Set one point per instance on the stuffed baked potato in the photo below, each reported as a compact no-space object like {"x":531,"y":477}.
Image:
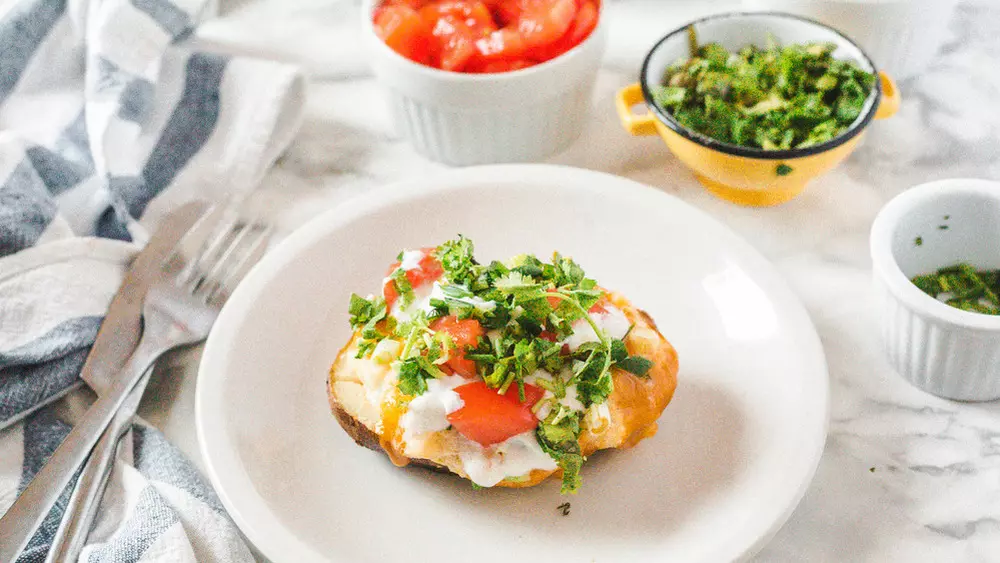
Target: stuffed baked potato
{"x":504,"y":373}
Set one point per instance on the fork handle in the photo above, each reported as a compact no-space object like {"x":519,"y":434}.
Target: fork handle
{"x":24,"y":517}
{"x":71,"y":537}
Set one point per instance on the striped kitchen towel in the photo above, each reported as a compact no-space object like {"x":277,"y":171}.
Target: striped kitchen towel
{"x":108,"y":120}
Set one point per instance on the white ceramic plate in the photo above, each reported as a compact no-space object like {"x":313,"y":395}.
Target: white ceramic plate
{"x":736,"y":449}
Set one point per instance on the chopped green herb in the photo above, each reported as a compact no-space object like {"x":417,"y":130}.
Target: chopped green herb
{"x":943,"y":227}
{"x":919,"y":241}
{"x":771,"y":98}
{"x":783,"y":169}
{"x":527,"y":308}
{"x":963,"y":287}
{"x":366,"y":315}
{"x":636,"y":364}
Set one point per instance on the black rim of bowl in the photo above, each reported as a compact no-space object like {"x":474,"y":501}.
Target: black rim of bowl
{"x":875,"y":98}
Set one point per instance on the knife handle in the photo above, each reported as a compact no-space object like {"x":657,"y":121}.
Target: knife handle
{"x":71,"y":537}
{"x":24,"y":517}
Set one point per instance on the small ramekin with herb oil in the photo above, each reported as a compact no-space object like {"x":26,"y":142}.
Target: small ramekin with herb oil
{"x":936,"y":264}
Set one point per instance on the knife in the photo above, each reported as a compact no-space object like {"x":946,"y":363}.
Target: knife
{"x":115,"y":342}
{"x":119,"y":333}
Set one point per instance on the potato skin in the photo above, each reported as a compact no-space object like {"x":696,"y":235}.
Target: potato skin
{"x":634,"y":405}
{"x":361,"y":434}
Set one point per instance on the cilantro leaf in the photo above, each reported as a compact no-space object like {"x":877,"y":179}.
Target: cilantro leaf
{"x":618,"y":351}
{"x":561,"y":442}
{"x":412,"y":379}
{"x":637,"y":365}
{"x":366,"y":314}
{"x":458,"y":261}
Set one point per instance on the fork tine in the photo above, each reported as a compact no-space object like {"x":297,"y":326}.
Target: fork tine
{"x":253,"y":250}
{"x":221,"y":269}
{"x":207,"y":252}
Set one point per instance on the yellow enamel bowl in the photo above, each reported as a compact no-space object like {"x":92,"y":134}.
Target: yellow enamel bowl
{"x":749,"y":176}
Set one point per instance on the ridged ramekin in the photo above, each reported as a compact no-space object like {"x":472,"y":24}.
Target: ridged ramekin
{"x":463,"y":119}
{"x":938,"y":348}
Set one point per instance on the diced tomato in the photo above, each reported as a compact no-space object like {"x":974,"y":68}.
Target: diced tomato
{"x":464,"y":333}
{"x":554,"y":301}
{"x":505,"y":12}
{"x":404,"y":31}
{"x":546,"y":335}
{"x":484,"y":36}
{"x":390,"y":293}
{"x":503,"y":45}
{"x":598,"y":308}
{"x":499,"y":66}
{"x":427,"y":271}
{"x":583,"y":25}
{"x":545,"y":23}
{"x":472,"y":14}
{"x":488,"y":417}
{"x":415,"y":4}
{"x":456,"y":25}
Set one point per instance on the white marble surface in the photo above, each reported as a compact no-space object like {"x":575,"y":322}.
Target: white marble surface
{"x":905,"y":476}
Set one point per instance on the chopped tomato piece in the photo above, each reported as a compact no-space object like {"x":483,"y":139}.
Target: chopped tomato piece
{"x":488,"y":417}
{"x":472,"y":14}
{"x":598,"y":307}
{"x":464,"y":333}
{"x":427,"y":271}
{"x":546,"y":335}
{"x":545,"y":23}
{"x":456,"y":25}
{"x":502,"y":45}
{"x":415,"y":4}
{"x":583,"y":25}
{"x":390,"y":293}
{"x":499,"y":66}
{"x":404,"y":31}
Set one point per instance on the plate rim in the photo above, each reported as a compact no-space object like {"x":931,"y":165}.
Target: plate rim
{"x":278,"y":542}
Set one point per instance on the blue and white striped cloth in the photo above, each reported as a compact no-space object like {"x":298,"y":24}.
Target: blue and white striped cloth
{"x":107,"y":122}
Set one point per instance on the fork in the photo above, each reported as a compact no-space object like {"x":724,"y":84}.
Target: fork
{"x":176,"y":313}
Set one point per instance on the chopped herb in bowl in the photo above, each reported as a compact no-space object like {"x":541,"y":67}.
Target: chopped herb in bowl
{"x":963,"y":287}
{"x":771,"y":98}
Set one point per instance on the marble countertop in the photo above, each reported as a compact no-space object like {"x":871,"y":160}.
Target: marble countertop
{"x":905,"y":476}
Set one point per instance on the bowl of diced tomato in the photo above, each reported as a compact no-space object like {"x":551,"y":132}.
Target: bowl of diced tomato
{"x":486,"y":81}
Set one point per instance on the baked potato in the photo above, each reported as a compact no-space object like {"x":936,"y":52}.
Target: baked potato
{"x":503,"y":374}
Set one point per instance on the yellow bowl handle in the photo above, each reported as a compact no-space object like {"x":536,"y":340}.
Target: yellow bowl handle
{"x":635,"y":124}
{"x":890,"y":97}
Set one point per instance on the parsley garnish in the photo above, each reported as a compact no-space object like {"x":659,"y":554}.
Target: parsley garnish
{"x":366,"y":315}
{"x":773,"y":98}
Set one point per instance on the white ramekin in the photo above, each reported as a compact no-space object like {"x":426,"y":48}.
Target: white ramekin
{"x":901,"y":36}
{"x":940,"y":349}
{"x":464,"y":119}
